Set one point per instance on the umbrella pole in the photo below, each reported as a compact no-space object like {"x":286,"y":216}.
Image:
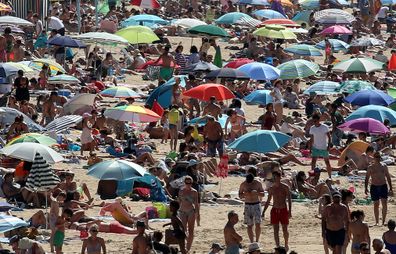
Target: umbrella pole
{"x":46,"y":210}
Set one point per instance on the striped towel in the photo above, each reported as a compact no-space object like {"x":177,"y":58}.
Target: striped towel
{"x":248,"y":21}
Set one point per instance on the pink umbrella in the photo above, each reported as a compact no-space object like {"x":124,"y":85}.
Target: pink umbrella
{"x":368,"y":125}
{"x":336,"y":30}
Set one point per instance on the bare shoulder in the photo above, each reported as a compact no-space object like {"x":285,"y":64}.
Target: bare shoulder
{"x":285,"y":186}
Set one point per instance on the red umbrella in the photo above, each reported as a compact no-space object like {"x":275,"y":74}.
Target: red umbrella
{"x":146,"y":4}
{"x":205,"y":91}
{"x":282,"y":22}
{"x":238,"y":63}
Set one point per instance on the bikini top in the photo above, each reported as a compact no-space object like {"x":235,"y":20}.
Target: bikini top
{"x":94,"y":248}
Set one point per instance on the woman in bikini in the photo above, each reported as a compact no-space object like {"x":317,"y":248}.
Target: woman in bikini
{"x":268,"y":120}
{"x":17,"y":128}
{"x":310,"y":191}
{"x":189,"y":209}
{"x":43,"y":76}
{"x":358,"y":231}
{"x":93,"y":244}
{"x":237,"y":125}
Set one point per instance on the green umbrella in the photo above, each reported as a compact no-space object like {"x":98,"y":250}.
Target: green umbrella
{"x":351,"y":86}
{"x":392,"y":92}
{"x":297,"y":69}
{"x":138,"y":34}
{"x":360,"y":65}
{"x":275,"y":32}
{"x":211,"y":30}
{"x":33,"y":138}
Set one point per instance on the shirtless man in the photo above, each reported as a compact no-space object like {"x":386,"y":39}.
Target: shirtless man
{"x":3,"y":52}
{"x":365,"y":159}
{"x":335,"y":222}
{"x":168,"y":63}
{"x":18,"y":51}
{"x":212,"y":108}
{"x":213,"y":134}
{"x":251,"y":191}
{"x":141,"y":241}
{"x":49,"y":110}
{"x":231,"y":237}
{"x":279,"y":212}
{"x":379,"y":175}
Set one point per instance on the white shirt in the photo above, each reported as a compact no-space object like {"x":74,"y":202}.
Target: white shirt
{"x":320,"y":136}
{"x":39,"y":27}
{"x":55,"y":23}
{"x":277,"y":95}
{"x":139,"y":61}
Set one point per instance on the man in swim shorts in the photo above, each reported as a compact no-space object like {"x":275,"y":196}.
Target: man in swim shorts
{"x":213,"y":134}
{"x":231,"y":237}
{"x":167,"y":65}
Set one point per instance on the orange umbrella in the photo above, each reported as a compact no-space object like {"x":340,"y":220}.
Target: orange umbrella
{"x":352,"y":151}
{"x":205,"y":91}
{"x":4,"y":7}
{"x":284,"y":3}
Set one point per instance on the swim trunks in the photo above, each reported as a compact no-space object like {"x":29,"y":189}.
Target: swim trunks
{"x":232,"y":249}
{"x":378,"y":192}
{"x":59,"y":237}
{"x":213,"y":145}
{"x":252,"y":213}
{"x":316,"y":153}
{"x":335,"y":238}
{"x":279,"y":215}
{"x":166,"y":73}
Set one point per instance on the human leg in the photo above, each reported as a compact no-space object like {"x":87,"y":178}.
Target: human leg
{"x":384,"y":203}
{"x":328,"y":166}
{"x":257,"y":231}
{"x":276,"y":234}
{"x":313,"y":163}
{"x":285,"y":235}
{"x":250,"y":232}
{"x":190,"y":228}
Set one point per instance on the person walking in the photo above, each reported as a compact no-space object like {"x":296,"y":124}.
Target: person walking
{"x":232,"y":238}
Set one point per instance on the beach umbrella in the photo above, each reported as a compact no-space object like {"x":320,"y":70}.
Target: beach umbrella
{"x":281,"y":22}
{"x":8,"y":223}
{"x":14,"y":29}
{"x":11,"y":20}
{"x":119,"y":92}
{"x":138,"y":34}
{"x":163,"y":94}
{"x":188,"y":22}
{"x":359,"y":65}
{"x":28,"y":151}
{"x":336,"y":45}
{"x":63,"y":79}
{"x":238,"y":63}
{"x":302,"y":17}
{"x":5,"y":8}
{"x":102,"y":38}
{"x":249,"y":22}
{"x":116,"y":170}
{"x":323,"y":88}
{"x":298,"y":30}
{"x":80,"y":103}
{"x":5,"y":206}
{"x":211,"y":30}
{"x":367,"y":42}
{"x":143,"y":20}
{"x":260,"y":141}
{"x":303,"y":50}
{"x":336,"y":29}
{"x":37,"y":64}
{"x":284,"y":3}
{"x":392,"y":92}
{"x":231,"y":18}
{"x":7,"y":70}
{"x":297,"y":69}
{"x":7,"y":117}
{"x":227,"y":73}
{"x":366,"y":125}
{"x":275,"y":32}
{"x":204,"y":66}
{"x":33,"y":138}
{"x":369,"y":97}
{"x":379,"y":113}
{"x":353,"y":150}
{"x":66,"y":41}
{"x":132,"y":113}
{"x":388,"y":2}
{"x":351,"y":86}
{"x":62,"y":123}
{"x":41,"y":177}
{"x":146,"y":4}
{"x":259,"y":97}
{"x":254,"y":2}
{"x":333,"y":16}
{"x":201,"y":121}
{"x":205,"y":91}
{"x":309,"y":4}
{"x":260,"y":71}
{"x":19,"y":66}
{"x":269,"y":14}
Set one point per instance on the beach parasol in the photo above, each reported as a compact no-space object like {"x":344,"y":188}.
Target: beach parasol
{"x":142,"y":20}
{"x":238,"y":63}
{"x":63,"y":123}
{"x":201,"y":121}
{"x":7,"y":70}
{"x":80,"y":103}
{"x":101,"y":38}
{"x":37,"y":64}
{"x":33,"y":138}
{"x":146,"y":4}
{"x":302,"y":17}
{"x":119,"y":92}
{"x":260,"y":71}
{"x":286,"y":3}
{"x":116,"y":170}
{"x":11,"y":20}
{"x":369,"y":97}
{"x":7,"y":117}
{"x":297,"y":69}
{"x":66,"y":41}
{"x":388,"y":2}
{"x":336,"y":29}
{"x":275,"y":32}
{"x":227,"y":73}
{"x":333,"y":20}
{"x":354,"y":150}
{"x":163,"y":93}
{"x":282,"y":22}
{"x":359,"y":65}
{"x":138,"y":34}
{"x":204,"y":66}
{"x":5,"y":8}
{"x":205,"y":91}
{"x":254,"y":2}
{"x":188,"y":22}
{"x":231,"y":18}
{"x":336,"y":45}
{"x":41,"y":177}
{"x":253,"y":141}
{"x":366,"y":125}
{"x":258,"y":97}
{"x":132,"y":113}
{"x":328,"y":16}
{"x":63,"y":79}
{"x":269,"y":14}
{"x":379,"y":113}
{"x":303,"y":50}
{"x":28,"y":151}
{"x":19,"y":66}
{"x":351,"y":86}
{"x":8,"y":223}
{"x":323,"y":88}
{"x":210,"y":30}
{"x":367,"y":42}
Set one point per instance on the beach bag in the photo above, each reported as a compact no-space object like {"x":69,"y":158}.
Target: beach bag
{"x":161,"y":209}
{"x":222,"y":168}
{"x":151,"y":212}
{"x":169,"y":237}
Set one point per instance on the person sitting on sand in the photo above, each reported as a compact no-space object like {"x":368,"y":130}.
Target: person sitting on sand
{"x":310,"y":191}
{"x":93,"y":244}
{"x":142,"y":240}
{"x":70,"y":185}
{"x":389,"y":237}
{"x":119,"y":211}
{"x":13,"y":191}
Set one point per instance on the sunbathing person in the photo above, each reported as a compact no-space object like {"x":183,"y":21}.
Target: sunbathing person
{"x":120,"y":213}
{"x":310,"y":191}
{"x":104,"y":227}
{"x":13,"y":191}
{"x":69,"y":185}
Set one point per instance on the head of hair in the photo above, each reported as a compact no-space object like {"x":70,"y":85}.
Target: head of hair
{"x":231,"y":214}
{"x":345,"y":194}
{"x":269,"y":105}
{"x":300,"y":176}
{"x":68,"y":212}
{"x":175,"y":204}
{"x":157,"y":235}
{"x":356,"y":214}
{"x":249,"y":178}
{"x":315,"y":117}
{"x":193,"y":49}
{"x":370,"y":149}
{"x":391,"y":224}
{"x":327,"y":199}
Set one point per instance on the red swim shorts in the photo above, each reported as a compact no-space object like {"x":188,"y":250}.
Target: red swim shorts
{"x":279,"y":215}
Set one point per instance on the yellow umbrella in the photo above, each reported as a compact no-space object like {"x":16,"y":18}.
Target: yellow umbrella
{"x":355,"y":149}
{"x":37,"y":64}
{"x":286,"y":3}
{"x":275,"y":32}
{"x":4,"y":7}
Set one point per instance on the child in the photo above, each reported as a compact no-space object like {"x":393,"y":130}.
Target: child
{"x":178,"y":230}
{"x":165,"y":126}
{"x":59,"y":234}
{"x":54,"y":214}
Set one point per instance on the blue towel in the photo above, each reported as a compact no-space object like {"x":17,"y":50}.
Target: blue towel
{"x":124,"y":187}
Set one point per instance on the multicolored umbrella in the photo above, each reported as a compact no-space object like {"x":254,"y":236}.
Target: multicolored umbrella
{"x":336,"y":29}
{"x":116,"y":170}
{"x":370,"y":97}
{"x":379,"y":113}
{"x":297,"y":69}
{"x":227,"y":73}
{"x":37,"y":64}
{"x":269,"y":14}
{"x":19,"y":66}
{"x":352,"y":86}
{"x":275,"y":32}
{"x":28,"y":151}
{"x":132,"y":113}
{"x":336,"y":45}
{"x":366,"y":125}
{"x":359,"y":65}
{"x":333,"y":16}
{"x":63,"y":79}
{"x":211,"y":30}
{"x":281,"y":22}
{"x":260,"y":71}
{"x":205,"y":91}
{"x":231,"y":18}
{"x":33,"y":138}
{"x":146,"y":4}
{"x":238,"y":63}
{"x":323,"y":88}
{"x":188,"y":23}
{"x":259,"y":97}
{"x":101,"y":38}
{"x":303,"y":50}
{"x":119,"y":92}
{"x":138,"y":34}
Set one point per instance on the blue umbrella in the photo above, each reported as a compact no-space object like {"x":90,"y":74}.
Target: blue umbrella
{"x":66,"y":41}
{"x":144,"y":20}
{"x":370,"y":97}
{"x":227,"y":73}
{"x":231,"y":18}
{"x":323,"y":87}
{"x":269,"y":14}
{"x":254,"y":2}
{"x":260,"y":141}
{"x":116,"y":170}
{"x":260,"y":97}
{"x":163,"y":94}
{"x":388,"y":2}
{"x":303,"y":50}
{"x":302,"y":17}
{"x":376,"y":112}
{"x":201,"y":121}
{"x":8,"y":222}
{"x":337,"y":45}
{"x":260,"y":71}
{"x":6,"y":70}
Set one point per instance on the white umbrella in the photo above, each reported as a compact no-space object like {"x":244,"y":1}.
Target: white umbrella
{"x":101,"y":38}
{"x":79,"y":104}
{"x":188,"y":23}
{"x":14,"y":21}
{"x":27,"y":152}
{"x":7,"y":117}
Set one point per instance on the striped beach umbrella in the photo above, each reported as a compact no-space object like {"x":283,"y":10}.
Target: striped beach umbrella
{"x":63,"y":123}
{"x":33,"y":138}
{"x":132,"y":113}
{"x":8,"y":222}
{"x":119,"y":92}
{"x":211,"y":30}
{"x":329,"y":16}
{"x":41,"y":176}
{"x":359,"y":65}
{"x":231,"y":18}
{"x":297,"y":69}
{"x":63,"y":79}
{"x":303,"y":50}
{"x":323,"y":87}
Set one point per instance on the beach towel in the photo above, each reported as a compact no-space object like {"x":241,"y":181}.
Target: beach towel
{"x":222,"y":168}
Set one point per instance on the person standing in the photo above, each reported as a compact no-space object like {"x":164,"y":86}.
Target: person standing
{"x":281,"y":211}
{"x":251,"y":191}
{"x":142,"y":240}
{"x":173,"y":120}
{"x":232,"y":238}
{"x":57,"y":24}
{"x":213,"y":134}
{"x":379,"y":175}
{"x":336,"y":119}
{"x":167,"y":65}
{"x":218,"y":61}
{"x":320,"y":143}
{"x":335,"y":222}
{"x":358,"y":231}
